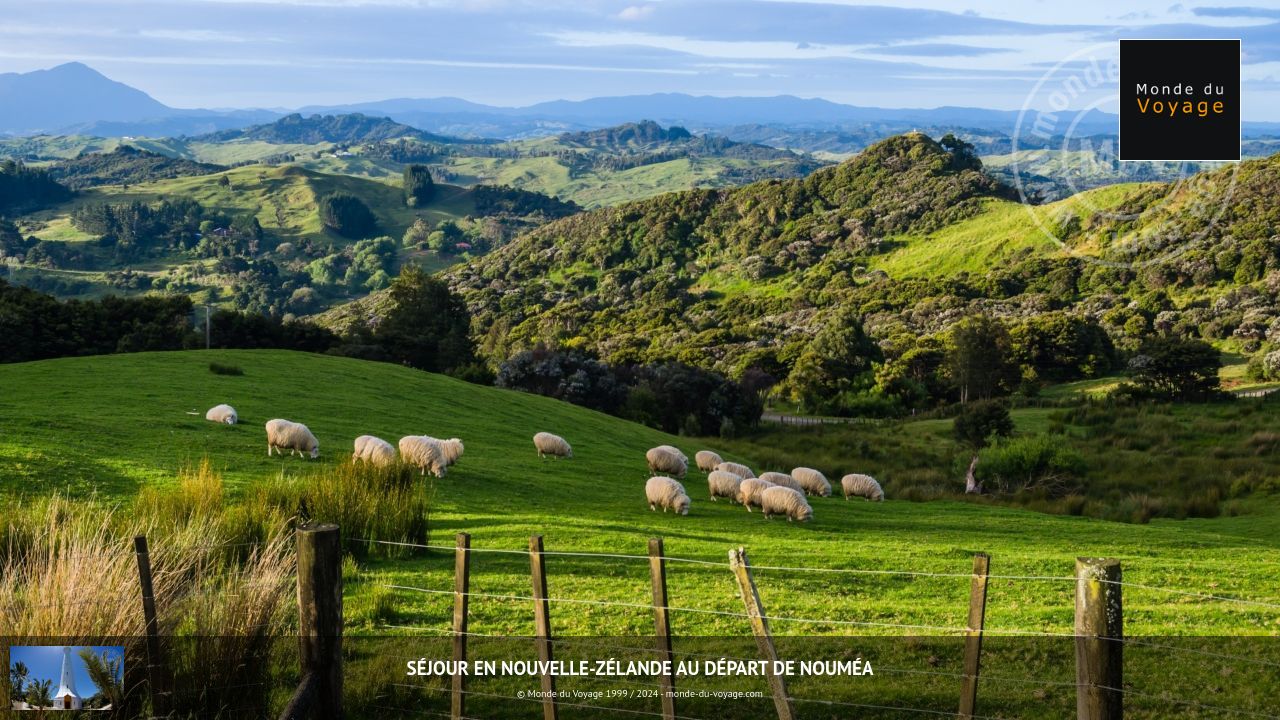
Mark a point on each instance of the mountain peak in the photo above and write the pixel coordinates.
(69, 94)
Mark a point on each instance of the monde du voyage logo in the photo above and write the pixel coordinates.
(1180, 100)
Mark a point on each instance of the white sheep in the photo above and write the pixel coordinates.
(222, 414)
(424, 453)
(707, 460)
(749, 491)
(677, 451)
(662, 459)
(452, 450)
(785, 501)
(738, 469)
(813, 482)
(373, 450)
(666, 493)
(553, 445)
(863, 486)
(783, 479)
(295, 437)
(723, 484)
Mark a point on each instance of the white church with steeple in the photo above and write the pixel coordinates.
(67, 698)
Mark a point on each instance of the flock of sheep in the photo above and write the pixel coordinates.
(775, 493)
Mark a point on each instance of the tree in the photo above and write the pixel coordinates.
(40, 695)
(18, 675)
(347, 215)
(839, 353)
(427, 326)
(974, 427)
(1174, 368)
(980, 358)
(107, 673)
(418, 186)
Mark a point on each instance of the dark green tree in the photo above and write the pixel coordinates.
(418, 186)
(980, 359)
(428, 326)
(830, 365)
(18, 674)
(107, 673)
(347, 215)
(1174, 368)
(40, 695)
(974, 427)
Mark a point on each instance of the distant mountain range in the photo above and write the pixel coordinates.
(76, 99)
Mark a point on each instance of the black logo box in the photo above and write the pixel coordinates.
(1180, 65)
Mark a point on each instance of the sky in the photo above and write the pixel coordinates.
(900, 53)
(45, 663)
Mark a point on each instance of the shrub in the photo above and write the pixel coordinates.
(347, 215)
(1033, 463)
(220, 369)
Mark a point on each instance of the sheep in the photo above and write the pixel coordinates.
(783, 479)
(749, 491)
(707, 460)
(813, 482)
(295, 437)
(676, 451)
(552, 445)
(424, 453)
(666, 493)
(723, 484)
(863, 486)
(452, 450)
(738, 469)
(222, 414)
(373, 450)
(663, 459)
(785, 501)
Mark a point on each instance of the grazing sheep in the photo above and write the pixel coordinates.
(452, 450)
(723, 484)
(222, 414)
(677, 451)
(785, 501)
(552, 445)
(783, 479)
(813, 482)
(738, 469)
(666, 459)
(667, 494)
(373, 450)
(749, 492)
(424, 453)
(863, 486)
(295, 437)
(707, 460)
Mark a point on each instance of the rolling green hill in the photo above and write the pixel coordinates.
(104, 427)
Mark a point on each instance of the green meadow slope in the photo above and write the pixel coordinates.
(102, 427)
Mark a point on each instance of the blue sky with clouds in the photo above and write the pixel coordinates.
(908, 53)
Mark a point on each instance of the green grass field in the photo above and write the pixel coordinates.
(103, 427)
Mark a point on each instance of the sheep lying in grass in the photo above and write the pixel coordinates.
(452, 450)
(424, 453)
(738, 469)
(723, 485)
(295, 437)
(666, 493)
(552, 445)
(783, 479)
(373, 450)
(863, 486)
(707, 460)
(812, 481)
(749, 491)
(222, 414)
(785, 501)
(662, 459)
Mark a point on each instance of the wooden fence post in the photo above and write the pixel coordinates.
(155, 663)
(461, 588)
(320, 616)
(1099, 640)
(973, 634)
(760, 627)
(662, 626)
(542, 626)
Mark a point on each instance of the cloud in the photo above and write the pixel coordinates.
(635, 12)
(1236, 12)
(937, 50)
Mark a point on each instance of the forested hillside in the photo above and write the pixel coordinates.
(781, 277)
(126, 165)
